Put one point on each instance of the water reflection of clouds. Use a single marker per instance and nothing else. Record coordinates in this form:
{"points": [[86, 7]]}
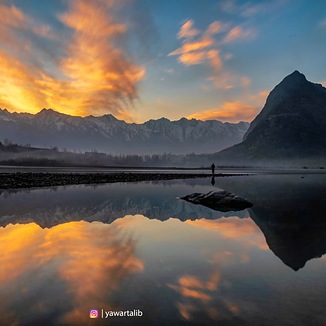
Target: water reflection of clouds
{"points": [[211, 296], [244, 230], [192, 287], [200, 299], [89, 260]]}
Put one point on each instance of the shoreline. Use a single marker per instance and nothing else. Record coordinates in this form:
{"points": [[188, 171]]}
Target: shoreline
{"points": [[46, 179]]}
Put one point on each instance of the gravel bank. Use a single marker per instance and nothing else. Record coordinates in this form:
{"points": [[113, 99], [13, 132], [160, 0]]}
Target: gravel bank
{"points": [[31, 180]]}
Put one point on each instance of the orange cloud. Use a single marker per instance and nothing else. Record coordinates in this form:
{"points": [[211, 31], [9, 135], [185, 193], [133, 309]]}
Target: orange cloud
{"points": [[245, 81], [203, 48], [13, 22], [187, 30], [92, 76], [214, 28], [193, 46], [224, 80], [17, 85], [192, 58], [198, 48], [228, 111], [259, 99], [261, 96], [12, 16], [237, 33], [215, 60], [323, 83]]}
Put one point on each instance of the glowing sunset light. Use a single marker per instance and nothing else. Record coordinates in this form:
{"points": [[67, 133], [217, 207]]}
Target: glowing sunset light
{"points": [[73, 249], [229, 111], [135, 60]]}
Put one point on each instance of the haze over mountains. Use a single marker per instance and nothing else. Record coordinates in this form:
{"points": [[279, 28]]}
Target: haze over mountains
{"points": [[110, 135], [290, 128]]}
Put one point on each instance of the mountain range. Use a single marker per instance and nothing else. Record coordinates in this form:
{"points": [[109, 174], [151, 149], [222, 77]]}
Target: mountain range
{"points": [[110, 135], [291, 127]]}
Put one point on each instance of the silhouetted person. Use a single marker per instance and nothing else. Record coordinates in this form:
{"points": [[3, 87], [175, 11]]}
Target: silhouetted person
{"points": [[213, 180], [213, 169]]}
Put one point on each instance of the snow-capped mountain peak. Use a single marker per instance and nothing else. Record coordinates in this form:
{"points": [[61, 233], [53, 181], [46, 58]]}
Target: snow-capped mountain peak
{"points": [[109, 134]]}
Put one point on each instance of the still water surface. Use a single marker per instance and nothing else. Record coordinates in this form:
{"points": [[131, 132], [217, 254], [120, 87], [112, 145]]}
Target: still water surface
{"points": [[66, 250]]}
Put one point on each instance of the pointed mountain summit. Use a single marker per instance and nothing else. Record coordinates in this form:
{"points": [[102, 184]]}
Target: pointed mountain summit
{"points": [[291, 127]]}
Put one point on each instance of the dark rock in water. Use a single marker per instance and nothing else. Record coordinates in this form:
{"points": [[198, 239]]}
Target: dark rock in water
{"points": [[222, 201]]}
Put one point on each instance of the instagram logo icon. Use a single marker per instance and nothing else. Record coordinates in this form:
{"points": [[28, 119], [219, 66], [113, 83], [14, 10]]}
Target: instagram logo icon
{"points": [[93, 313]]}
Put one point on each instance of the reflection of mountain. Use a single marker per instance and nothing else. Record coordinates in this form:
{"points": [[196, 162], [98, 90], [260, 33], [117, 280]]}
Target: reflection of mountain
{"points": [[295, 243], [291, 212], [49, 208]]}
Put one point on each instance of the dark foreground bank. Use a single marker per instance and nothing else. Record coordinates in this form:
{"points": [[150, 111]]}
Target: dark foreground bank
{"points": [[29, 180]]}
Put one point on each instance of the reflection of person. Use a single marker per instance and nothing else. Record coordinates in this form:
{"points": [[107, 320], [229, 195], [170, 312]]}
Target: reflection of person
{"points": [[213, 180], [213, 168]]}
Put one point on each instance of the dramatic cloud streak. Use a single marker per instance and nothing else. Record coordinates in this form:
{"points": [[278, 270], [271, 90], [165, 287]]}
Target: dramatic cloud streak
{"points": [[228, 111], [205, 48], [235, 111], [237, 33], [187, 30], [84, 57], [195, 52], [89, 73]]}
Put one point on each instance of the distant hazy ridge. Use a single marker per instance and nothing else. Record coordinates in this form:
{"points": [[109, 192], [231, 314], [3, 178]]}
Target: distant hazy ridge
{"points": [[110, 135]]}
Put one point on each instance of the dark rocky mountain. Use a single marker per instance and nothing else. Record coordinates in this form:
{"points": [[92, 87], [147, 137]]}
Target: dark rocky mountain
{"points": [[108, 134], [290, 128]]}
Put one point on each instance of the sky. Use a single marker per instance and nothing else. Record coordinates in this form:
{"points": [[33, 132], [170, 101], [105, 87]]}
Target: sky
{"points": [[143, 59]]}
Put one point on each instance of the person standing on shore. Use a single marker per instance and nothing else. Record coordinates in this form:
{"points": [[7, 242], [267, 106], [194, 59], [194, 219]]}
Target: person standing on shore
{"points": [[213, 169]]}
